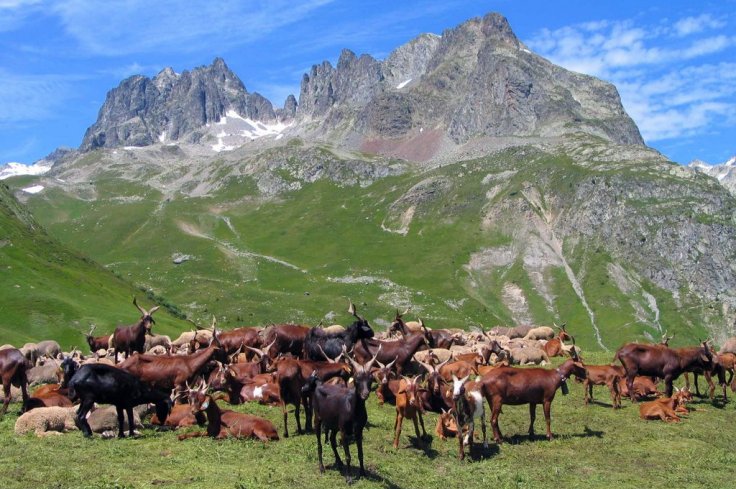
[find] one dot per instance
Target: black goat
(332, 343)
(109, 385)
(337, 407)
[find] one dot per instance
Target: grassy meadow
(595, 447)
(396, 241)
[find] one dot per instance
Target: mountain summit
(171, 106)
(475, 80)
(431, 95)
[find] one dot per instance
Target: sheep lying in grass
(46, 421)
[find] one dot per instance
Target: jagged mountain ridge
(476, 80)
(725, 172)
(142, 111)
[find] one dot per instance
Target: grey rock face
(476, 80)
(141, 110)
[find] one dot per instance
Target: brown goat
(553, 348)
(509, 385)
(409, 406)
(644, 386)
(172, 371)
(666, 408)
(662, 362)
(238, 338)
(399, 351)
(13, 368)
(289, 338)
(129, 339)
(96, 342)
(446, 425)
(227, 424)
(608, 375)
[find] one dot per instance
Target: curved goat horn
(325, 355)
(143, 311)
(368, 365)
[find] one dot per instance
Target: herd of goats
(329, 371)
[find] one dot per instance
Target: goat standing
(341, 408)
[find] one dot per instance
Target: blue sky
(674, 62)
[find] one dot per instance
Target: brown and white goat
(467, 402)
(409, 406)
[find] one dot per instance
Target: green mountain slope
(581, 232)
(50, 292)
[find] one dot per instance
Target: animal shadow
(483, 453)
(425, 445)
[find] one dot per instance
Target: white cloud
(664, 85)
(136, 26)
(694, 25)
(14, 12)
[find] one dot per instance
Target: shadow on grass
(587, 433)
(370, 474)
(480, 452)
(424, 444)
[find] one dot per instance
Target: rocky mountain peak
(495, 26)
(476, 80)
(171, 106)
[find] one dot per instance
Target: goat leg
(460, 440)
(6, 401)
(333, 444)
(416, 427)
(81, 420)
(483, 428)
(547, 405)
(121, 422)
(131, 422)
(421, 421)
(532, 418)
(359, 444)
(630, 386)
(397, 429)
(346, 449)
(495, 411)
(286, 419)
(318, 432)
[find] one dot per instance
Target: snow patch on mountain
(725, 172)
(34, 189)
(235, 130)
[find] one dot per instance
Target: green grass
(594, 447)
(332, 232)
(50, 292)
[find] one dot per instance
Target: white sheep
(157, 340)
(46, 421)
(540, 333)
(528, 355)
